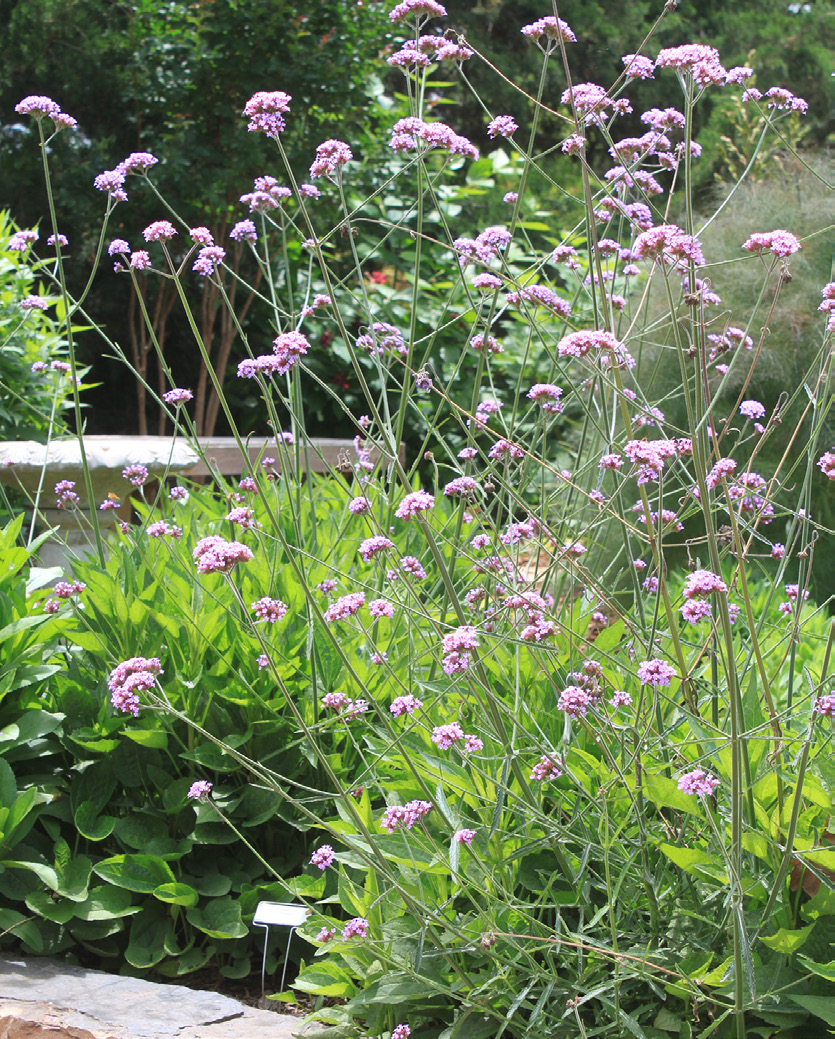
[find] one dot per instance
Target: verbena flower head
(34, 303)
(825, 706)
(345, 606)
(655, 672)
(638, 66)
(502, 126)
(244, 231)
(551, 28)
(21, 240)
(216, 555)
(417, 9)
(177, 396)
(752, 409)
(208, 260)
(545, 768)
(200, 789)
(602, 343)
(140, 260)
(826, 464)
(60, 239)
(137, 474)
(401, 1032)
(779, 243)
(330, 155)
(322, 857)
(464, 836)
(288, 348)
(39, 106)
(356, 928)
(266, 110)
(269, 610)
(406, 704)
(696, 59)
(574, 700)
(383, 338)
(698, 782)
(374, 545)
(130, 678)
(703, 582)
(159, 231)
(118, 247)
(413, 504)
(137, 162)
(398, 816)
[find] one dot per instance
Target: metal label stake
(278, 914)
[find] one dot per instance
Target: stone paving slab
(109, 1006)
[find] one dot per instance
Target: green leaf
(73, 880)
(177, 894)
(90, 824)
(821, 1006)
(694, 861)
(787, 941)
(59, 911)
(156, 739)
(822, 970)
(140, 873)
(21, 927)
(147, 940)
(8, 784)
(220, 918)
(664, 792)
(325, 979)
(106, 903)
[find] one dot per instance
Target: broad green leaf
(177, 894)
(325, 979)
(106, 903)
(219, 918)
(821, 1006)
(8, 784)
(90, 824)
(787, 941)
(74, 878)
(822, 970)
(694, 861)
(663, 791)
(140, 873)
(21, 927)
(147, 939)
(58, 910)
(156, 739)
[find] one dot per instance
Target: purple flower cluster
(322, 857)
(545, 768)
(330, 155)
(698, 782)
(130, 678)
(200, 789)
(406, 704)
(397, 817)
(655, 672)
(502, 126)
(266, 110)
(41, 107)
(270, 610)
(345, 606)
(65, 494)
(356, 928)
(373, 545)
(383, 338)
(177, 396)
(406, 133)
(779, 243)
(551, 28)
(603, 343)
(216, 555)
(413, 504)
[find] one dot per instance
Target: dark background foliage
(172, 78)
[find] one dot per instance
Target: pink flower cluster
(540, 296)
(177, 396)
(322, 857)
(669, 242)
(655, 672)
(40, 107)
(374, 545)
(406, 133)
(266, 110)
(650, 456)
(345, 606)
(698, 782)
(130, 678)
(356, 928)
(270, 610)
(65, 494)
(445, 736)
(199, 789)
(545, 768)
(216, 555)
(162, 529)
(547, 395)
(604, 344)
(697, 588)
(502, 126)
(413, 504)
(398, 817)
(551, 28)
(406, 704)
(136, 474)
(826, 464)
(382, 338)
(417, 9)
(694, 59)
(330, 156)
(464, 836)
(456, 647)
(779, 243)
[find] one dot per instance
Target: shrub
(551, 779)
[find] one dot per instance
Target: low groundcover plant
(537, 720)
